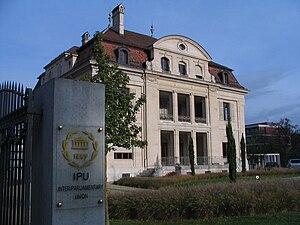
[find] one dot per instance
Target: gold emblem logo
(76, 148)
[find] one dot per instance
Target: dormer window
(182, 68)
(224, 77)
(165, 64)
(123, 56)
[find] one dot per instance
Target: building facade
(262, 144)
(188, 95)
(260, 137)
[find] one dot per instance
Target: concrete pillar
(68, 158)
(176, 147)
(175, 107)
(192, 109)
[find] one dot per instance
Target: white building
(187, 95)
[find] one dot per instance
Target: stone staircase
(147, 173)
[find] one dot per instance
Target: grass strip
(290, 218)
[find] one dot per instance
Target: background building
(272, 142)
(188, 95)
(260, 137)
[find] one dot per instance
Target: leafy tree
(192, 156)
(243, 153)
(121, 106)
(286, 136)
(231, 153)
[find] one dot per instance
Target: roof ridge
(130, 38)
(141, 34)
(213, 63)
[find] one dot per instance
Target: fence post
(14, 206)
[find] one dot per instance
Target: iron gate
(15, 155)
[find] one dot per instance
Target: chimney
(118, 19)
(85, 38)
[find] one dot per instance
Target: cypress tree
(243, 153)
(231, 153)
(192, 156)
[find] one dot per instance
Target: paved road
(112, 188)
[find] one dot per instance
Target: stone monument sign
(68, 181)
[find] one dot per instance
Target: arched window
(165, 64)
(123, 56)
(182, 68)
(199, 72)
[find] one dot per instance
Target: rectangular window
(123, 56)
(201, 148)
(122, 155)
(184, 108)
(165, 105)
(226, 111)
(184, 138)
(167, 148)
(224, 149)
(199, 109)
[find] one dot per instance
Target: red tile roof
(142, 42)
(138, 45)
(214, 64)
(73, 50)
(129, 38)
(215, 68)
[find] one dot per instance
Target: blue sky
(259, 39)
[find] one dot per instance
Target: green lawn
(239, 179)
(291, 218)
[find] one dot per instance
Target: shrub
(172, 179)
(209, 201)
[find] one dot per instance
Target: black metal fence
(14, 155)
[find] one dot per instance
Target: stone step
(147, 173)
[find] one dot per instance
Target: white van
(294, 163)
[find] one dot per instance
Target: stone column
(175, 107)
(192, 109)
(176, 147)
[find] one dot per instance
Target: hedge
(158, 182)
(209, 201)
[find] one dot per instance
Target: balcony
(203, 160)
(165, 105)
(167, 161)
(184, 118)
(166, 116)
(200, 120)
(210, 161)
(185, 160)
